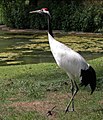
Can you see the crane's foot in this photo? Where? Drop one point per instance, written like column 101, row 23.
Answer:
column 50, row 112
column 67, row 110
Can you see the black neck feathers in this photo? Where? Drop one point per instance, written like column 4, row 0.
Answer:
column 49, row 26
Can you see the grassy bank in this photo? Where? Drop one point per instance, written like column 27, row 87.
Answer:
column 27, row 92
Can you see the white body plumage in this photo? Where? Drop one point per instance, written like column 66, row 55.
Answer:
column 67, row 59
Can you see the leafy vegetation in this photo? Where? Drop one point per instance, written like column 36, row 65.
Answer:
column 66, row 15
column 1, row 15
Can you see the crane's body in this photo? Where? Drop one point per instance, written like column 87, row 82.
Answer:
column 70, row 61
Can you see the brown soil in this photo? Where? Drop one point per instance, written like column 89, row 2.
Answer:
column 53, row 99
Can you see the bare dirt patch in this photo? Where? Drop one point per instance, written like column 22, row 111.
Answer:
column 39, row 106
column 53, row 99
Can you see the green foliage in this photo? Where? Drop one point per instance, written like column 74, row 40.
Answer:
column 87, row 18
column 1, row 15
column 72, row 17
column 91, row 18
column 66, row 15
column 16, row 14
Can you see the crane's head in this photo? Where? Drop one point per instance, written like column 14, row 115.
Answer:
column 43, row 11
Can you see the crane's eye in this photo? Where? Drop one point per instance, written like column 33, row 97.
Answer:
column 42, row 10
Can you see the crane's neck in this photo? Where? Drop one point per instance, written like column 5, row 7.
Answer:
column 49, row 26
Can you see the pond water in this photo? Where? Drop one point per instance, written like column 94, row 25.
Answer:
column 30, row 49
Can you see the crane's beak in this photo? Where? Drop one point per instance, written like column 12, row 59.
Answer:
column 36, row 11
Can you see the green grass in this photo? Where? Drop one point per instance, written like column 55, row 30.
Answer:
column 28, row 91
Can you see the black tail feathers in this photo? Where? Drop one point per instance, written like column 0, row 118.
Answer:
column 89, row 77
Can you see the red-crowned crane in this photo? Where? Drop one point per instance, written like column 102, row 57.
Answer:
column 70, row 61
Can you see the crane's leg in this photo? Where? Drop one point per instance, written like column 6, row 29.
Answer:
column 72, row 90
column 72, row 98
